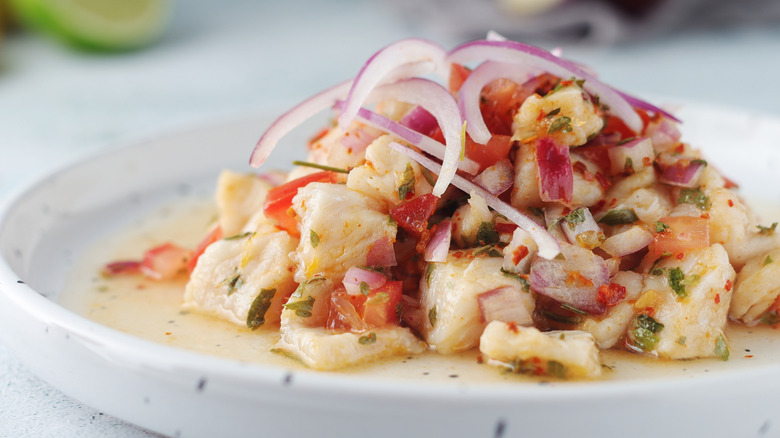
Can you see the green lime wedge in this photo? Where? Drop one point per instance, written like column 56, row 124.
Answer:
column 97, row 24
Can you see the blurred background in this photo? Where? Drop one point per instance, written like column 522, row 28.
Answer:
column 79, row 76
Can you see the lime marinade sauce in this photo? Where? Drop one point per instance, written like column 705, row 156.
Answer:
column 151, row 310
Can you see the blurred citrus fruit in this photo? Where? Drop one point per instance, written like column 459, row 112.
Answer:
column 97, row 24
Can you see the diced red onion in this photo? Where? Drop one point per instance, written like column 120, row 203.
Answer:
column 573, row 279
column 680, row 171
column 505, row 304
column 497, row 178
column 631, row 156
column 427, row 144
column 355, row 276
column 556, row 177
column 576, row 231
column 440, row 103
column 664, row 134
column 420, row 120
column 381, row 253
column 627, row 242
column 439, row 245
column 122, row 267
column 548, row 245
column 534, row 57
column 357, row 140
column 294, row 117
column 469, row 94
column 641, row 104
column 411, row 51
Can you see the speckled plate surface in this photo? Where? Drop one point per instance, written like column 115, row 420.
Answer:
column 45, row 226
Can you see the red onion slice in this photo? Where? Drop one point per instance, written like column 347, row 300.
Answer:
column 548, row 245
column 469, row 94
column 294, row 117
column 497, row 178
column 411, row 51
column 632, row 156
column 556, row 177
column 505, row 304
column 381, row 253
column 356, row 276
column 427, row 144
column 440, row 103
column 573, row 279
column 357, row 140
column 534, row 57
column 420, row 120
column 680, row 171
column 663, row 133
column 641, row 104
column 439, row 245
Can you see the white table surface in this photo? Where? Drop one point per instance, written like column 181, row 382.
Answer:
column 230, row 58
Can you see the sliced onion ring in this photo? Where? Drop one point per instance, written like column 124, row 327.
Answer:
column 411, row 51
column 548, row 245
column 505, row 304
column 534, row 57
column 381, row 253
column 294, row 117
column 439, row 245
column 469, row 94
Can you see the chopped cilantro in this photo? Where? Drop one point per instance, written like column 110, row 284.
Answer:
column 367, row 339
column 260, row 305
column 573, row 309
column 428, row 176
column 320, row 166
column 619, row 216
column 681, row 340
column 379, row 298
column 519, row 277
column 554, row 112
column 767, row 231
column 562, row 124
column 721, row 349
column 699, row 161
column 233, row 283
column 695, row 197
column 490, row 250
column 625, row 140
column 432, row 316
column 563, row 319
column 645, row 331
column 677, row 282
column 314, row 238
column 303, row 307
column 556, row 369
column 364, row 289
column 239, row 236
column 487, row 234
column 575, row 217
column 770, row 318
column 406, row 187
column 660, row 227
column 428, row 271
column 767, row 260
column 628, row 167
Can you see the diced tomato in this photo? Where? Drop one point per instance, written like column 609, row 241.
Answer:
column 611, row 294
column 165, row 262
column 499, row 102
column 598, row 155
column 683, row 234
column 379, row 309
column 413, row 215
column 345, row 311
column 487, row 155
column 279, row 199
column 614, row 124
column 214, row 234
column 458, row 75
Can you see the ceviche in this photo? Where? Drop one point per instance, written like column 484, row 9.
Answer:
column 495, row 197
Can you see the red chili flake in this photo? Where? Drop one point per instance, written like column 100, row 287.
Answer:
column 319, row 136
column 480, row 360
column 512, row 327
column 603, row 181
column 731, row 203
column 536, row 359
column 167, row 333
column 748, row 356
column 576, row 279
column 519, row 254
column 705, row 216
column 717, row 298
column 679, row 149
column 611, row 294
column 649, row 311
column 647, row 161
column 680, row 256
column 728, row 285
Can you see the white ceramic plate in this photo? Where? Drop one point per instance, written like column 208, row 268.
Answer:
column 45, row 226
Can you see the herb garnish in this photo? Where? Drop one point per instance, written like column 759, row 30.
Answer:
column 490, row 250
column 770, row 318
column 303, row 307
column 767, row 231
column 256, row 316
column 556, row 369
column 676, row 281
column 367, row 339
column 646, row 331
column 767, row 260
column 660, row 227
column 239, row 236
column 364, row 289
column 575, row 217
column 562, row 124
column 695, row 197
column 487, row 234
column 233, row 283
column 519, row 277
column 433, row 316
column 619, row 216
column 320, row 166
column 721, row 349
column 314, row 238
column 406, row 187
